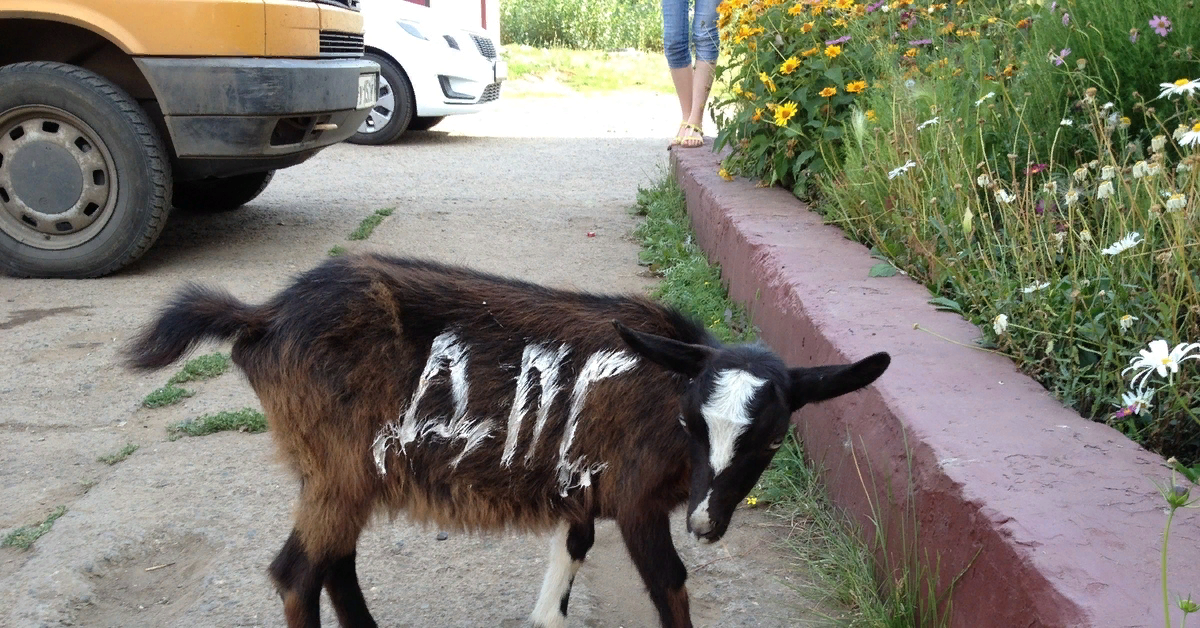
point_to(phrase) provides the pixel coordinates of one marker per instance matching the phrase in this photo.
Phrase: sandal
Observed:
(692, 141)
(678, 139)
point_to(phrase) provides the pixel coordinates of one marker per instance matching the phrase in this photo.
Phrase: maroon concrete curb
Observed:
(1051, 519)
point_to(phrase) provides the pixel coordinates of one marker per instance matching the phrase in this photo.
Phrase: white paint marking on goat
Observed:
(560, 572)
(726, 413)
(599, 366)
(547, 363)
(446, 353)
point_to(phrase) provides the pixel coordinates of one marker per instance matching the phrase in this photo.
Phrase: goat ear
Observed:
(809, 385)
(672, 355)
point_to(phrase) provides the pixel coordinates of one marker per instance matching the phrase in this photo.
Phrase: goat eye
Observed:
(777, 443)
(683, 423)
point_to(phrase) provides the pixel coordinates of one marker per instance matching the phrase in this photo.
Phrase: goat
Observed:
(482, 403)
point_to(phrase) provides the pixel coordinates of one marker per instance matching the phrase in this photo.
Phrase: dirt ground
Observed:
(180, 533)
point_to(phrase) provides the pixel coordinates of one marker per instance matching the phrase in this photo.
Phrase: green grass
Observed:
(584, 71)
(165, 396)
(244, 420)
(368, 224)
(24, 536)
(119, 455)
(203, 367)
(337, 250)
(689, 282)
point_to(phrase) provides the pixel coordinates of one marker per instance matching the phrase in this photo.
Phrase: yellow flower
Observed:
(766, 80)
(855, 87)
(844, 4)
(833, 51)
(737, 90)
(725, 8)
(757, 115)
(810, 52)
(724, 174)
(829, 92)
(751, 501)
(938, 7)
(808, 26)
(784, 112)
(841, 21)
(871, 115)
(911, 52)
(1009, 70)
(789, 65)
(949, 28)
(796, 9)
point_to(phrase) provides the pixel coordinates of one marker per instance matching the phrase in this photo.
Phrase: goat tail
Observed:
(194, 314)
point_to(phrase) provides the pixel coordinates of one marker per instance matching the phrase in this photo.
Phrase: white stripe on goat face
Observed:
(727, 414)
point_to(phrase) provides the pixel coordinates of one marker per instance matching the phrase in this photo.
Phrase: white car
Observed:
(429, 69)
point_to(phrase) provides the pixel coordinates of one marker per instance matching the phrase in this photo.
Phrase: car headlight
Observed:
(422, 32)
(412, 28)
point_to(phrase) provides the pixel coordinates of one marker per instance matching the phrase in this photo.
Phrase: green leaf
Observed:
(882, 269)
(946, 305)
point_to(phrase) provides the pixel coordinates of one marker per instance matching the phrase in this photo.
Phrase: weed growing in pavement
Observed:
(119, 455)
(24, 536)
(203, 367)
(165, 396)
(368, 224)
(244, 420)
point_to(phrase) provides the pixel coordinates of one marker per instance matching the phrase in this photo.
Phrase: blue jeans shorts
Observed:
(703, 32)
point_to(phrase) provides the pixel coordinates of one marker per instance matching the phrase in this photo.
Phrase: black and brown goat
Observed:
(483, 403)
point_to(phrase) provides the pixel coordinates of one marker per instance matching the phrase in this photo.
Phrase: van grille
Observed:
(485, 45)
(334, 44)
(345, 4)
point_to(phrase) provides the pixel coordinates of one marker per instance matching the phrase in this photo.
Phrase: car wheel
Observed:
(393, 111)
(424, 123)
(85, 182)
(221, 194)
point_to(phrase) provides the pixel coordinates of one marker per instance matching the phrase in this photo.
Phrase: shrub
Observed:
(1050, 201)
(583, 24)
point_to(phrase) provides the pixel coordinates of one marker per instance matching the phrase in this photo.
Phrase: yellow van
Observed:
(113, 111)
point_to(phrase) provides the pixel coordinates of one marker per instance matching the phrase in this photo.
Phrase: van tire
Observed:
(91, 136)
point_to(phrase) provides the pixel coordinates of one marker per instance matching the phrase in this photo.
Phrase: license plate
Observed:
(501, 71)
(367, 87)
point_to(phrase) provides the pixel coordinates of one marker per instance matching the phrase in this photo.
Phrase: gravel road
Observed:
(513, 190)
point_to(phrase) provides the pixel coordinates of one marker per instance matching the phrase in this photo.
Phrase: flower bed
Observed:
(1034, 165)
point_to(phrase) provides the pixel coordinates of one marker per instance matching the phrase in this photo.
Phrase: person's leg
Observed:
(707, 38)
(679, 56)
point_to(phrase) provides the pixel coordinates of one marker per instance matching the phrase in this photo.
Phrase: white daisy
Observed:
(980, 101)
(983, 180)
(1153, 169)
(1035, 286)
(1176, 202)
(1081, 174)
(1191, 137)
(1140, 170)
(1085, 236)
(1157, 143)
(899, 170)
(1004, 197)
(1105, 190)
(1158, 359)
(1060, 238)
(1126, 322)
(930, 122)
(1107, 173)
(1000, 324)
(1130, 240)
(1066, 122)
(1072, 197)
(1107, 106)
(1182, 86)
(1139, 402)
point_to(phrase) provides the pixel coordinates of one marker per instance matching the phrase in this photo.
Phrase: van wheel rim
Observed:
(57, 183)
(381, 114)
